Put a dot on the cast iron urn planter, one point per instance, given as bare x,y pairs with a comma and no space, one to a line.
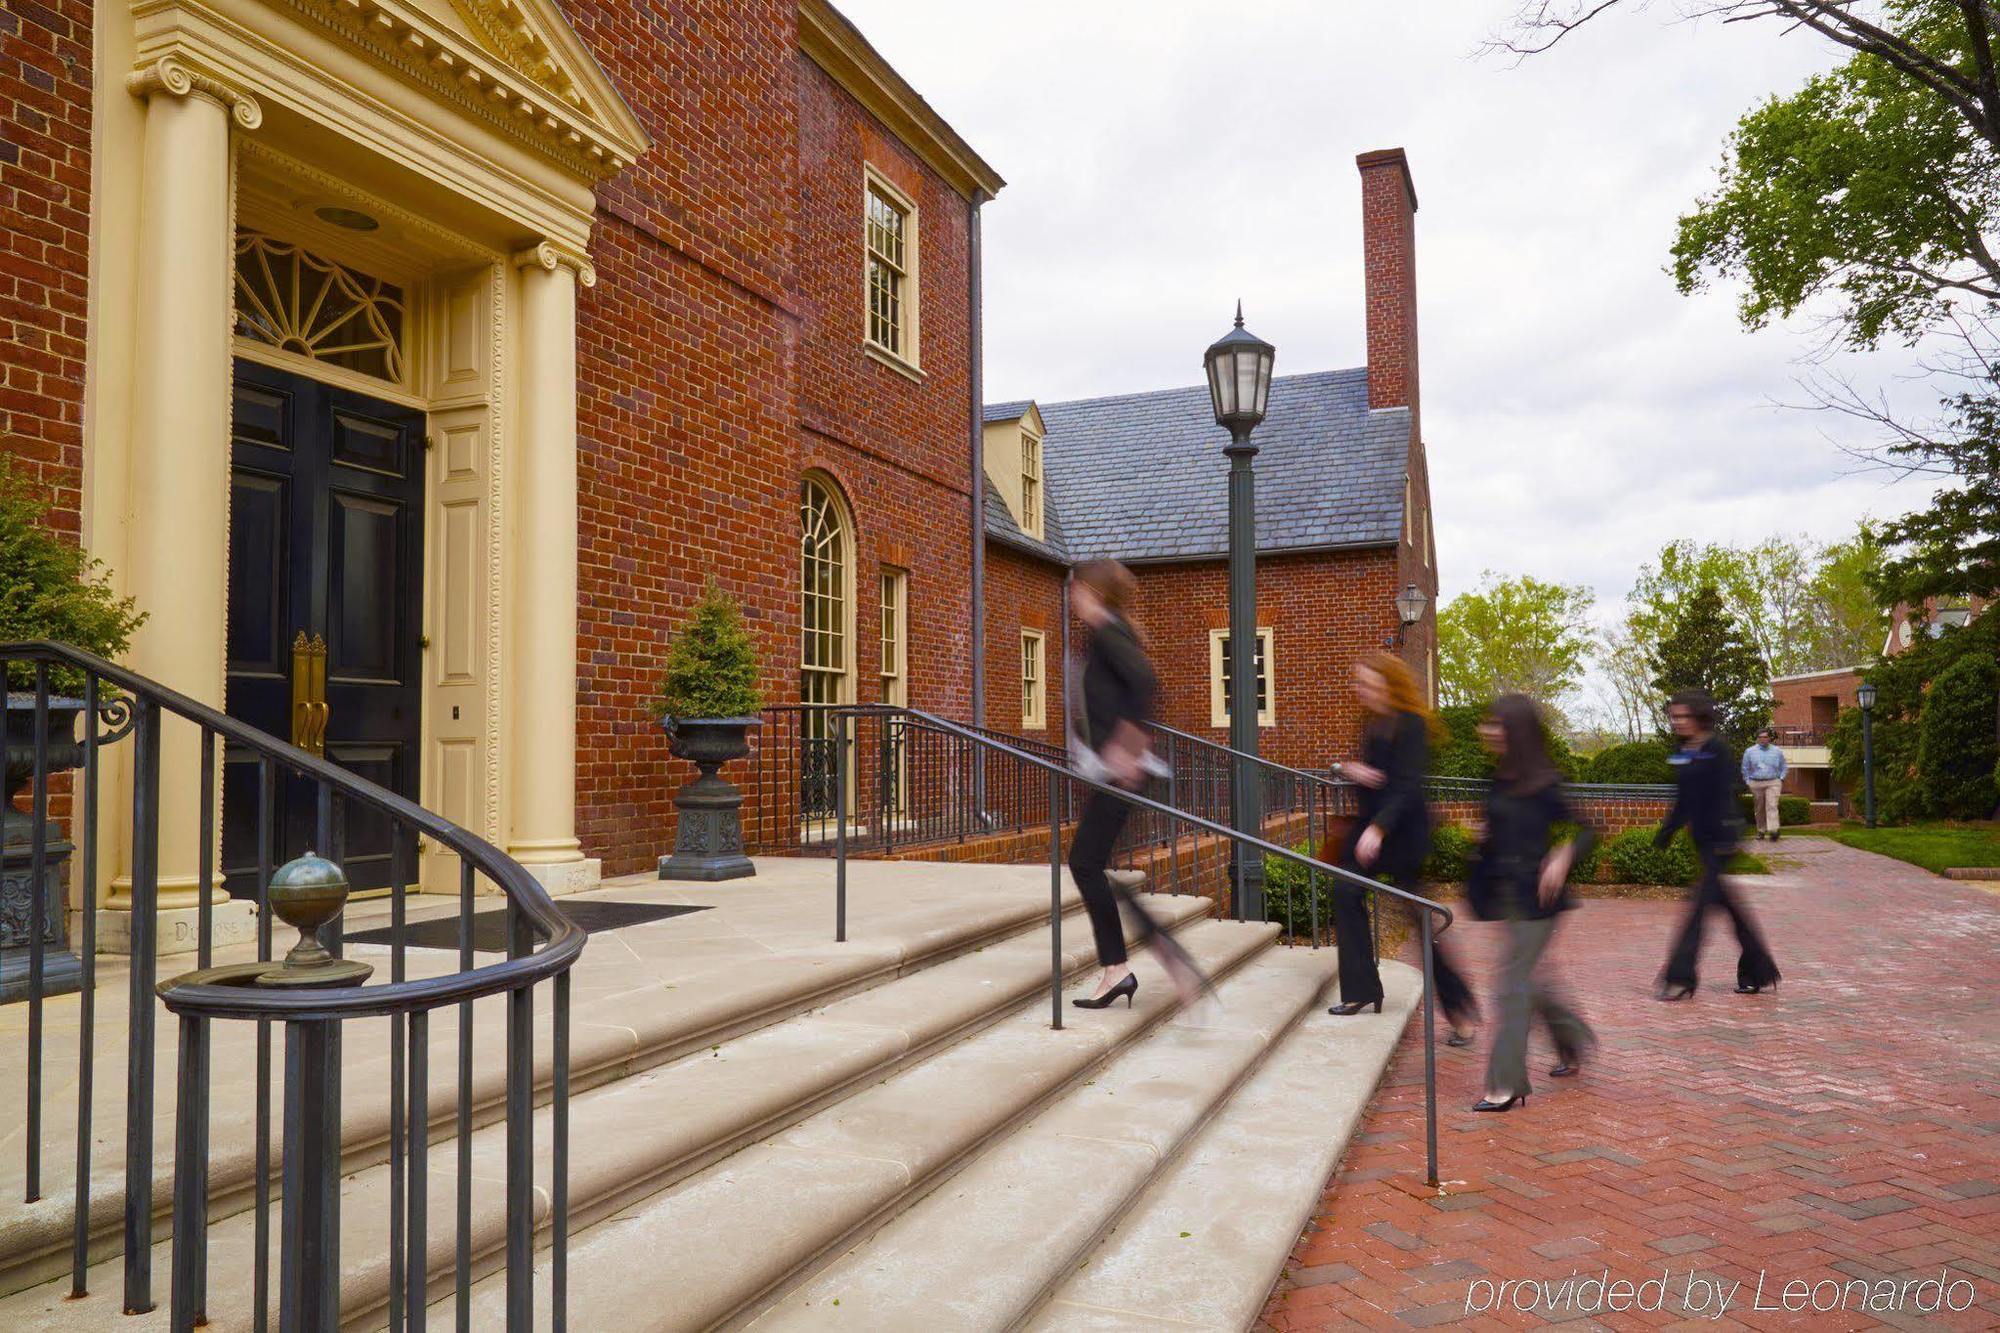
61,971
709,845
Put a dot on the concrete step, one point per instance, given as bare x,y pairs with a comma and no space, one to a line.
723,1243
1044,1196
634,1136
1206,1242
625,1018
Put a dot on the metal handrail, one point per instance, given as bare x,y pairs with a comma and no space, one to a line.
1321,779
308,1294
1433,917
564,938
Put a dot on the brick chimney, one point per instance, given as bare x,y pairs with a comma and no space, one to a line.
1389,258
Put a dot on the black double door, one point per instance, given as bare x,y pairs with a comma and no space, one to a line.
325,620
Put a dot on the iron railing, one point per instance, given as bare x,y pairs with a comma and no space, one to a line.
541,946
1064,791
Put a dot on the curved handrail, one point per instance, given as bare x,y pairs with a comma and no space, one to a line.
1269,848
564,940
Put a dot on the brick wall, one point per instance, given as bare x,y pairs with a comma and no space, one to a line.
45,78
1022,593
719,359
1792,700
1325,611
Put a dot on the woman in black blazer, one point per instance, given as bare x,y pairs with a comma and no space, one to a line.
1390,836
1522,878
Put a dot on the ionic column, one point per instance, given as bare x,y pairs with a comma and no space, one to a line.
541,719
178,514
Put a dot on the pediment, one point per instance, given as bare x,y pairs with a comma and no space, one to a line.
516,61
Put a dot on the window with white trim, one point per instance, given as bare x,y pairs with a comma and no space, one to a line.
891,273
1220,678
1031,483
1034,680
895,636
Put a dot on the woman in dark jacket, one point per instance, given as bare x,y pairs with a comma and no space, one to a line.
1522,878
1705,800
1390,836
1113,745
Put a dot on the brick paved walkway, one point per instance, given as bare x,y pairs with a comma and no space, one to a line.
1846,1128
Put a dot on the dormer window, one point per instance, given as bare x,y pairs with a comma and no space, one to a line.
1031,483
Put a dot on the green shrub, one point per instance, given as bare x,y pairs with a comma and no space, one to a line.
51,589
711,668
1450,860
1898,797
1955,746
1794,810
1635,860
1458,754
1584,869
1285,898
1634,762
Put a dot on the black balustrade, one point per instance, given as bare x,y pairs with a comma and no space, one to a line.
309,1003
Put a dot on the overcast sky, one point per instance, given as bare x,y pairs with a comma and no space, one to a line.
1164,157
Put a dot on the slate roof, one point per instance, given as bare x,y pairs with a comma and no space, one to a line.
1143,477
1013,411
1000,525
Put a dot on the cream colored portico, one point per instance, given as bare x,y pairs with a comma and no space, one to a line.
469,132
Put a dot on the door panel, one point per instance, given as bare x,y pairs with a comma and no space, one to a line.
325,542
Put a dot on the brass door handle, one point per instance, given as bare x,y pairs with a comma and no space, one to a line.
309,707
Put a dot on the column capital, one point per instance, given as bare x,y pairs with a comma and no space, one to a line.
170,76
552,255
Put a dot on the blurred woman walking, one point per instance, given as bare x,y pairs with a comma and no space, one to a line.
1522,878
1113,746
1390,836
1705,801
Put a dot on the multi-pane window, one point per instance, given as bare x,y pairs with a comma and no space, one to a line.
895,599
889,245
1031,484
1221,677
1034,681
823,591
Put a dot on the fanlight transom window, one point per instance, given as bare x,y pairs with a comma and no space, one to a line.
298,302
824,590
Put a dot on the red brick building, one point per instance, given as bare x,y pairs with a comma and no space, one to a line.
1343,522
1804,710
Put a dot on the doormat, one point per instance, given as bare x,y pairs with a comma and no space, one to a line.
489,928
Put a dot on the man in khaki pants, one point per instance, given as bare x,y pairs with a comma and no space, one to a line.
1764,770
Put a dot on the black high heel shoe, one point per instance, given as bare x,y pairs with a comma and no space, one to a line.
1671,991
1484,1104
1127,986
1354,1007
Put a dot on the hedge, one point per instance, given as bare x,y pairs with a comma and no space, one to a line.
1791,809
1635,860
1634,762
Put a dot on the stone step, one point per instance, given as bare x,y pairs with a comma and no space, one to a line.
623,1020
721,1244
1206,1242
1045,1195
636,1135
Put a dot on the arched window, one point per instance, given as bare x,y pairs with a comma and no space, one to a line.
826,595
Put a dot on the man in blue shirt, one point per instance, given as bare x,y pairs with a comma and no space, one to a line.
1764,770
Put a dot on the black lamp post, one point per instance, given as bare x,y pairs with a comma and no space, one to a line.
1410,604
1239,385
1865,696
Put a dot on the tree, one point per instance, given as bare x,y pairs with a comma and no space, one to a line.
1956,749
1623,660
1846,623
1518,635
1704,648
1870,195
